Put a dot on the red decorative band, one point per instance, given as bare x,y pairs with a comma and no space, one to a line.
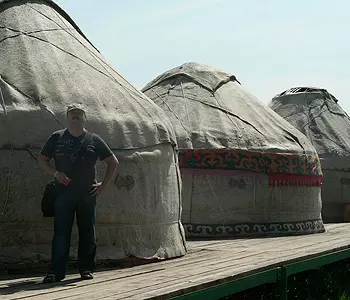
219,172
281,169
294,180
241,160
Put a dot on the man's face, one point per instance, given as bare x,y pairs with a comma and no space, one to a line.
76,117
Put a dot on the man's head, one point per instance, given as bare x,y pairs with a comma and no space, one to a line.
76,115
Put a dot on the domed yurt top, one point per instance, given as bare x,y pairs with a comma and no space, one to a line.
47,63
209,109
317,114
308,90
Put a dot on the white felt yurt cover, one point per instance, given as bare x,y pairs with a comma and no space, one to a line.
245,170
317,114
47,63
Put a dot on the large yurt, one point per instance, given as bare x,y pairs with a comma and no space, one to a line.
47,63
245,170
317,114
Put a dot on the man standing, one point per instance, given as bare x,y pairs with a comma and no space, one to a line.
75,152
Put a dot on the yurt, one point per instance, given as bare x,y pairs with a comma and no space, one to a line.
317,114
47,63
245,170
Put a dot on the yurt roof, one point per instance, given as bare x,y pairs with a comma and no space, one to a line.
303,90
209,109
208,77
318,114
59,9
46,64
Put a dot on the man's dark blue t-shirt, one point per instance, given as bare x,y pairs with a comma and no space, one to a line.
64,148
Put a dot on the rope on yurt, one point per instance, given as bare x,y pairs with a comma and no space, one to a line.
215,195
8,186
131,92
185,99
228,112
178,176
3,100
176,116
10,160
43,106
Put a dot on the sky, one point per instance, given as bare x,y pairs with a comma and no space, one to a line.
269,45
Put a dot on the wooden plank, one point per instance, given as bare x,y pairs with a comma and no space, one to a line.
192,284
192,257
287,256
206,261
111,276
219,275
126,273
164,278
125,286
196,257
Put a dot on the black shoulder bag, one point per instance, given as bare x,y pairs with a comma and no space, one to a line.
52,192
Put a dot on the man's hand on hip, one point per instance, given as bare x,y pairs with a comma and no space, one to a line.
97,189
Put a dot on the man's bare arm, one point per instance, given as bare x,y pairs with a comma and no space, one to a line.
112,163
44,163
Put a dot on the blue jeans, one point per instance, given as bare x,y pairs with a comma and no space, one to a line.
67,204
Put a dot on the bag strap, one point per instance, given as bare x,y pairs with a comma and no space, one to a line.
82,149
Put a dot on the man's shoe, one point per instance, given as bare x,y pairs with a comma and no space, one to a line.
86,275
51,278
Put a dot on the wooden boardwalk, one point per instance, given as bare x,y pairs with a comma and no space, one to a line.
207,263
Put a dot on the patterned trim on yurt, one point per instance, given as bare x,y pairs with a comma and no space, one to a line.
282,169
259,229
